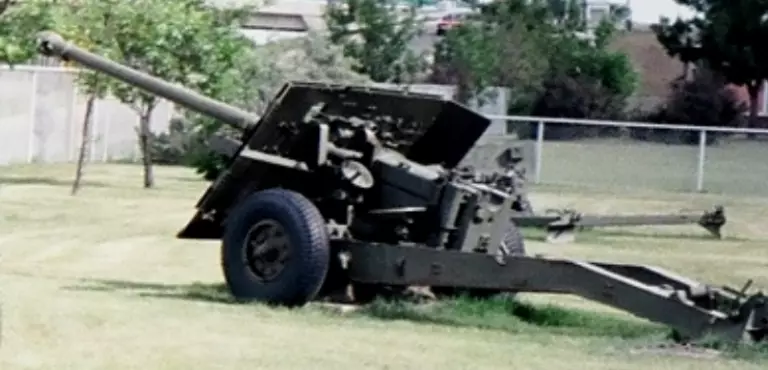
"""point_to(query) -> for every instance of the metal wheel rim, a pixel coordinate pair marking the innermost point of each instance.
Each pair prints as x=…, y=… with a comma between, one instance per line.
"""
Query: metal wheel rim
x=267, y=250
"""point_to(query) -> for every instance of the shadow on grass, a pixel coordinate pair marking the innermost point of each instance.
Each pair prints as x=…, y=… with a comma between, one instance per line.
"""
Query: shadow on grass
x=596, y=235
x=743, y=351
x=45, y=181
x=703, y=236
x=216, y=293
x=507, y=314
x=500, y=313
x=198, y=179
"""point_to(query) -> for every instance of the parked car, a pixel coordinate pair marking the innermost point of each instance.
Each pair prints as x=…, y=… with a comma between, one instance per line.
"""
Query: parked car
x=451, y=20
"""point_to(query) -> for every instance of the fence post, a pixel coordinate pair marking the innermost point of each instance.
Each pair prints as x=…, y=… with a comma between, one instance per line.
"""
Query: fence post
x=73, y=139
x=32, y=119
x=539, y=148
x=105, y=132
x=94, y=129
x=702, y=159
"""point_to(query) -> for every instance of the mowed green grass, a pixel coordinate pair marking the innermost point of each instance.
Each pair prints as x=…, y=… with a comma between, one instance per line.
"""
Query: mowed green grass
x=98, y=281
x=731, y=167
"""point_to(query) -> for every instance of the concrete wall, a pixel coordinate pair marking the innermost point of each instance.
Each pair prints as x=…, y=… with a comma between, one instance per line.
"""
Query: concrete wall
x=41, y=117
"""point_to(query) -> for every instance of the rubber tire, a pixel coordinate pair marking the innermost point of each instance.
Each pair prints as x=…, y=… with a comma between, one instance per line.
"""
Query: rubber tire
x=307, y=267
x=524, y=205
x=515, y=243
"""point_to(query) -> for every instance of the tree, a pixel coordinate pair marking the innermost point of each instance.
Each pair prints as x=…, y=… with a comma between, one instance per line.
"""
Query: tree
x=586, y=80
x=538, y=50
x=727, y=36
x=257, y=76
x=468, y=58
x=378, y=35
x=621, y=14
x=703, y=100
x=181, y=41
x=81, y=23
x=502, y=47
x=679, y=41
x=4, y=5
x=19, y=22
x=261, y=71
x=567, y=13
x=76, y=21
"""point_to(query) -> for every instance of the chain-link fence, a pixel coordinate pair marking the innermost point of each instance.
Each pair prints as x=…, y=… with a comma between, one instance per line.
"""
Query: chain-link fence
x=641, y=155
x=41, y=116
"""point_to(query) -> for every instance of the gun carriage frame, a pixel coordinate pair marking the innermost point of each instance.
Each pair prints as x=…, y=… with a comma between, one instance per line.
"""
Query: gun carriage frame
x=337, y=185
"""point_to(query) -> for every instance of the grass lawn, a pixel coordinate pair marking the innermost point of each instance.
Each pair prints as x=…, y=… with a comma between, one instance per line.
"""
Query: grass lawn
x=98, y=281
x=731, y=167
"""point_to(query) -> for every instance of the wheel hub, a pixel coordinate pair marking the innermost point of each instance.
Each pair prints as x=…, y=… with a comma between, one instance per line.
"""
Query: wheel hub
x=267, y=249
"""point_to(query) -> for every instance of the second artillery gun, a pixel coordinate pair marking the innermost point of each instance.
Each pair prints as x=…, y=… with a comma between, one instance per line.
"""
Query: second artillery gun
x=561, y=224
x=347, y=185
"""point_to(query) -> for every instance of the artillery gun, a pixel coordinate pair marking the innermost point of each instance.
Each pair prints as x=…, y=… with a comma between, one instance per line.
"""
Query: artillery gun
x=337, y=185
x=561, y=224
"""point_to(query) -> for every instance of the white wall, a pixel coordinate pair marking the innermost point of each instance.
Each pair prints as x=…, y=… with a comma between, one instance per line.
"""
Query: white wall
x=41, y=116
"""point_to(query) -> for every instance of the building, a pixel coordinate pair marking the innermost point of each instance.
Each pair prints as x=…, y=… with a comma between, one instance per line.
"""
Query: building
x=279, y=19
x=658, y=70
x=655, y=67
x=762, y=101
x=597, y=10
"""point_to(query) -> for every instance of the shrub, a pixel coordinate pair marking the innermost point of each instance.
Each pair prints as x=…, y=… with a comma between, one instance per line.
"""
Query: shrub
x=703, y=101
x=184, y=145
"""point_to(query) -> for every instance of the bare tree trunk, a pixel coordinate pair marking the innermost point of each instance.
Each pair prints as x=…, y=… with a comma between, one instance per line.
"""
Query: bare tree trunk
x=85, y=144
x=754, y=96
x=4, y=5
x=463, y=92
x=146, y=148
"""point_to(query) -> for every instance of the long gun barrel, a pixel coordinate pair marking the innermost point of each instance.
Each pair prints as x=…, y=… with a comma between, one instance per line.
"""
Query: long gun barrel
x=52, y=44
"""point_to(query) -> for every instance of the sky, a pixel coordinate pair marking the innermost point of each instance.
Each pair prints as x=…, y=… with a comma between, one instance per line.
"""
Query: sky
x=649, y=11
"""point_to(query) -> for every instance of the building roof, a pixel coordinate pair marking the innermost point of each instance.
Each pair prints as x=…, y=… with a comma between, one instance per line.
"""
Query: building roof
x=311, y=11
x=655, y=67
